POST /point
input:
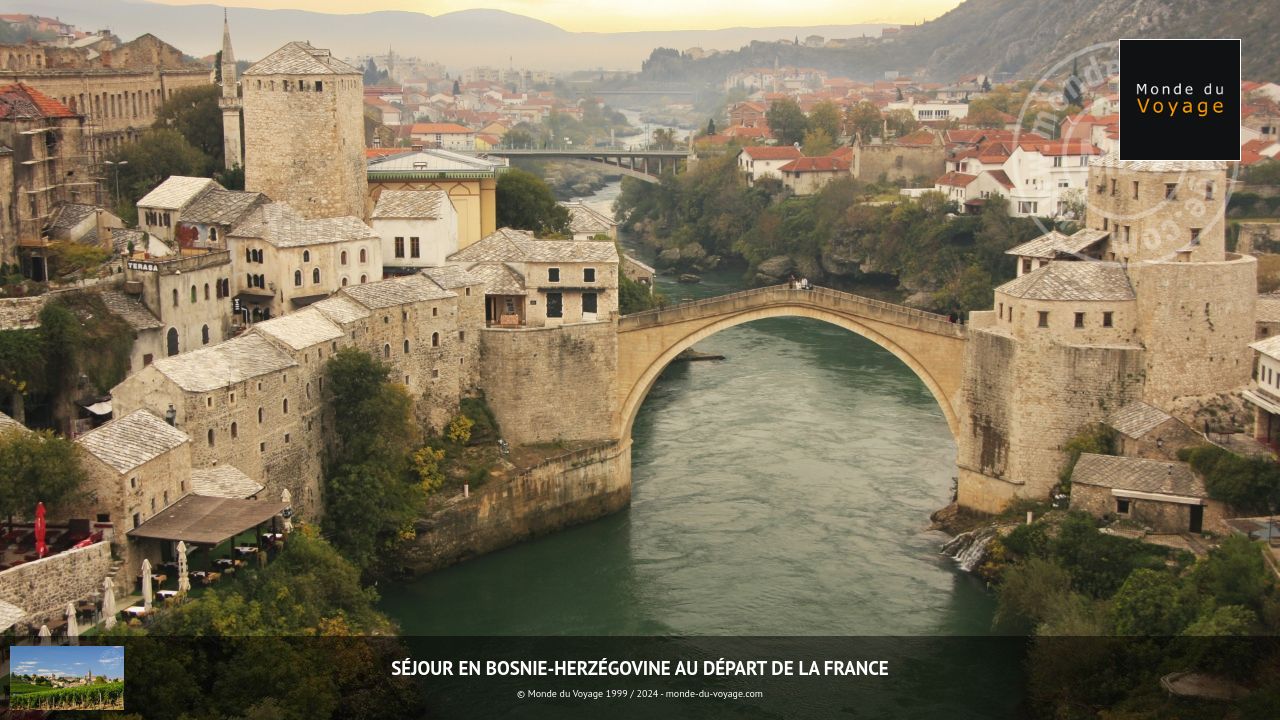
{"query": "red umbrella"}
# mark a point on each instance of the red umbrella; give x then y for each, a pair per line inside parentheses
(41, 548)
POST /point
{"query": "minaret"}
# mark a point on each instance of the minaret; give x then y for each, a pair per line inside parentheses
(232, 145)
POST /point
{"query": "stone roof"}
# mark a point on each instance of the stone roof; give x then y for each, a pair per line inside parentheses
(585, 219)
(222, 207)
(301, 329)
(499, 279)
(435, 161)
(1113, 161)
(69, 215)
(410, 204)
(121, 237)
(1137, 419)
(1054, 243)
(451, 277)
(223, 481)
(217, 366)
(631, 260)
(129, 309)
(1086, 280)
(127, 442)
(282, 226)
(300, 58)
(397, 291)
(175, 192)
(8, 423)
(772, 152)
(1267, 308)
(341, 309)
(1138, 475)
(507, 245)
(1269, 347)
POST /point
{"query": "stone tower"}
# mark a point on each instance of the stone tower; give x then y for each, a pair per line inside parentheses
(304, 132)
(232, 142)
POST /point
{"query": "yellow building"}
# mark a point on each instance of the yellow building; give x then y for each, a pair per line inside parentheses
(471, 183)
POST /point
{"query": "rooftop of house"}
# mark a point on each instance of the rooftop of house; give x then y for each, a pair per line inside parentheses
(224, 481)
(282, 226)
(300, 58)
(127, 442)
(585, 219)
(300, 330)
(8, 423)
(1267, 308)
(499, 278)
(341, 309)
(452, 277)
(1137, 419)
(1088, 280)
(1138, 475)
(21, 101)
(176, 192)
(955, 179)
(410, 204)
(397, 291)
(226, 363)
(772, 152)
(520, 246)
(69, 215)
(219, 206)
(129, 309)
(824, 163)
(1269, 347)
(433, 160)
(1053, 243)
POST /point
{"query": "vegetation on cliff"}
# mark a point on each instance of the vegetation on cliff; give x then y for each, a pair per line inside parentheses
(1248, 484)
(525, 202)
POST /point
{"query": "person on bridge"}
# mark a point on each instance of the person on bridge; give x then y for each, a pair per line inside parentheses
(804, 284)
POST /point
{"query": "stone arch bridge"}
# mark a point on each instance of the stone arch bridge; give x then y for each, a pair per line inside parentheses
(931, 345)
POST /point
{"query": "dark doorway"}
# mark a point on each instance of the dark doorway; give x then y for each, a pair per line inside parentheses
(588, 302)
(1197, 518)
(173, 341)
(555, 305)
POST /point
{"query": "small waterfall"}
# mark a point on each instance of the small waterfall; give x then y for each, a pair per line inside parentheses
(969, 548)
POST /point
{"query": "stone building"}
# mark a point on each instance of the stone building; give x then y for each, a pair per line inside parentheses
(285, 261)
(1165, 496)
(920, 154)
(470, 182)
(43, 163)
(1263, 392)
(536, 283)
(585, 222)
(194, 213)
(304, 132)
(808, 175)
(160, 210)
(1164, 317)
(419, 229)
(1146, 431)
(188, 295)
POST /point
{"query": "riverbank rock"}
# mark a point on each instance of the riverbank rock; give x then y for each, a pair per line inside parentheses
(669, 258)
(776, 268)
(692, 253)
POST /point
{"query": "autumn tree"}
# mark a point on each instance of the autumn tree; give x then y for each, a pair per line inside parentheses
(787, 122)
(863, 120)
(825, 116)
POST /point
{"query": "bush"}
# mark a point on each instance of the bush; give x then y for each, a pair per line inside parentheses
(484, 426)
(1248, 484)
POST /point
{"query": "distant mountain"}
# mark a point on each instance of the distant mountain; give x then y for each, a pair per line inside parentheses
(459, 40)
(1017, 37)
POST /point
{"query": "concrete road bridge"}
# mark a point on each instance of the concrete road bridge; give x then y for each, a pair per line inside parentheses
(646, 165)
(931, 345)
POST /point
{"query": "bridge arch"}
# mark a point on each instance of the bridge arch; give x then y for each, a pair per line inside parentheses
(930, 345)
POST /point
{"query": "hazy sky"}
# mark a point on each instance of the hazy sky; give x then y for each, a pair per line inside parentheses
(622, 15)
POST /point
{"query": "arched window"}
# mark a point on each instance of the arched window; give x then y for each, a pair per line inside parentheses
(175, 297)
(306, 256)
(206, 291)
(364, 279)
(386, 351)
(297, 277)
(193, 293)
(259, 416)
(204, 335)
(173, 340)
(344, 282)
(248, 255)
(342, 257)
(234, 431)
(213, 234)
(210, 437)
(315, 276)
(362, 257)
(406, 347)
(435, 339)
(285, 405)
(248, 279)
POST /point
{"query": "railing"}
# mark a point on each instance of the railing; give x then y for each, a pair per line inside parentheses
(648, 318)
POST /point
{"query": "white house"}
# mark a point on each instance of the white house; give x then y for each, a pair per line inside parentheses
(927, 111)
(761, 161)
(419, 229)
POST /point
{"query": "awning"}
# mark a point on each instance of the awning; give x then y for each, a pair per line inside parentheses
(1261, 401)
(99, 408)
(207, 520)
(255, 298)
(301, 302)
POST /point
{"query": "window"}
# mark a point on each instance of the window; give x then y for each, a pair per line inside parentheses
(1026, 265)
(1122, 506)
(462, 335)
(435, 339)
(306, 256)
(206, 291)
(342, 257)
(406, 347)
(1113, 188)
(319, 86)
(1001, 312)
(297, 278)
(234, 431)
(1107, 319)
(1027, 207)
(137, 519)
(399, 251)
(286, 438)
(386, 350)
(414, 248)
(204, 335)
(172, 341)
(1079, 319)
(315, 276)
(1170, 191)
(589, 275)
(364, 279)
(175, 297)
(1057, 161)
(555, 305)
(435, 373)
(193, 293)
(1044, 318)
(362, 257)
(285, 406)
(553, 274)
(210, 437)
(435, 312)
(1195, 236)
(589, 302)
(344, 281)
(262, 447)
(1208, 191)
(259, 416)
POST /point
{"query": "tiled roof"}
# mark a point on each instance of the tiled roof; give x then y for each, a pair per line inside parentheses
(1138, 475)
(222, 207)
(919, 138)
(1086, 280)
(280, 225)
(300, 58)
(397, 291)
(68, 215)
(1114, 161)
(341, 309)
(1053, 243)
(300, 330)
(499, 279)
(440, 129)
(585, 219)
(451, 277)
(175, 192)
(956, 179)
(129, 309)
(127, 442)
(1137, 419)
(507, 245)
(771, 152)
(825, 163)
(23, 101)
(1001, 177)
(1267, 308)
(632, 261)
(223, 481)
(424, 204)
(8, 423)
(226, 363)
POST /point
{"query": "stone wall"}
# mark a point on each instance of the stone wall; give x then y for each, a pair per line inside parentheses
(44, 587)
(568, 490)
(550, 384)
(1161, 517)
(898, 162)
(1258, 237)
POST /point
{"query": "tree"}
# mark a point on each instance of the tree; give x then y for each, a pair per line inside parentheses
(1027, 592)
(1073, 91)
(901, 122)
(787, 122)
(818, 142)
(37, 466)
(825, 116)
(863, 120)
(153, 158)
(984, 113)
(194, 112)
(1150, 602)
(526, 203)
(711, 126)
(664, 139)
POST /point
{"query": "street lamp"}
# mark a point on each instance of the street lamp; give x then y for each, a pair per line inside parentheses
(115, 167)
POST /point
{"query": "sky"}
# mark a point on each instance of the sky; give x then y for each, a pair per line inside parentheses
(67, 660)
(628, 15)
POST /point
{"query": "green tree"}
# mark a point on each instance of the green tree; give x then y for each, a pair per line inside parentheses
(194, 113)
(526, 203)
(901, 122)
(37, 466)
(711, 126)
(863, 120)
(1248, 484)
(664, 139)
(1027, 593)
(1234, 573)
(153, 158)
(787, 122)
(1150, 602)
(825, 116)
(818, 142)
